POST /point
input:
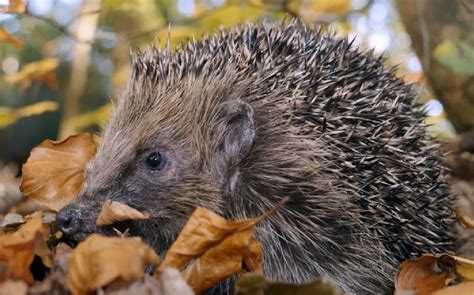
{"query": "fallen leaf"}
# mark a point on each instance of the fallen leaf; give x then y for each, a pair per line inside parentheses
(13, 287)
(257, 284)
(99, 261)
(14, 6)
(211, 248)
(14, 220)
(173, 283)
(42, 70)
(464, 268)
(113, 211)
(424, 275)
(9, 38)
(466, 288)
(170, 283)
(17, 250)
(53, 174)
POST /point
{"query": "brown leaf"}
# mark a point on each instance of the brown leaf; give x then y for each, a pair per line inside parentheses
(170, 283)
(257, 284)
(211, 248)
(17, 250)
(425, 275)
(115, 211)
(466, 288)
(9, 38)
(13, 287)
(99, 261)
(14, 6)
(42, 70)
(53, 174)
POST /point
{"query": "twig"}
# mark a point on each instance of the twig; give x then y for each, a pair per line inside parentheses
(63, 28)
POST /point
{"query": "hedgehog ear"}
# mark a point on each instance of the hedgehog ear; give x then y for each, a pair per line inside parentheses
(236, 140)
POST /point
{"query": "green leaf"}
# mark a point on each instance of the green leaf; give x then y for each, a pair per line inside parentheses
(457, 57)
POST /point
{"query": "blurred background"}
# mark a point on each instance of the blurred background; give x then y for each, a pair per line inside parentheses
(62, 60)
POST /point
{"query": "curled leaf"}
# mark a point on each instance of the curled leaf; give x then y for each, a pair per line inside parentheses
(211, 248)
(53, 174)
(115, 211)
(17, 250)
(425, 275)
(99, 261)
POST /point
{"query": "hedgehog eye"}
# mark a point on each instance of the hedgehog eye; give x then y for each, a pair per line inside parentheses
(155, 161)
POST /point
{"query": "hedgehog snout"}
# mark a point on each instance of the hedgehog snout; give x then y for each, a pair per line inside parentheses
(68, 220)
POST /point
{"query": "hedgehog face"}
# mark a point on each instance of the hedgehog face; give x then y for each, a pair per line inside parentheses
(166, 152)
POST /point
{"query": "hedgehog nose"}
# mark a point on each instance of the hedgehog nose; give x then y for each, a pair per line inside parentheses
(68, 220)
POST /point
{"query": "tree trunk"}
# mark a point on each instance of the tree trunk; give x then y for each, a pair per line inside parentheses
(442, 34)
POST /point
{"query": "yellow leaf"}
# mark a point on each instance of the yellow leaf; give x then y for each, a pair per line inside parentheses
(42, 70)
(14, 6)
(99, 261)
(37, 109)
(331, 6)
(53, 174)
(115, 211)
(465, 267)
(84, 120)
(10, 116)
(9, 38)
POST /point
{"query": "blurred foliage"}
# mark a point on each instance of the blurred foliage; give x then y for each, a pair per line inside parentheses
(458, 57)
(38, 42)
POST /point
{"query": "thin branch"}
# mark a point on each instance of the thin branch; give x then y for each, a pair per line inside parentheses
(64, 29)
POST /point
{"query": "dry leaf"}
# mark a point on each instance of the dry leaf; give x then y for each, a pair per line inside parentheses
(17, 250)
(461, 289)
(170, 283)
(257, 284)
(14, 6)
(464, 268)
(13, 287)
(53, 174)
(211, 248)
(424, 275)
(99, 261)
(115, 211)
(42, 70)
(9, 38)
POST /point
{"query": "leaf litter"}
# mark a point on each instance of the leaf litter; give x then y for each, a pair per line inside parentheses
(208, 250)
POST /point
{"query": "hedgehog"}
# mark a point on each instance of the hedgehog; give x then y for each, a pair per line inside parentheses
(240, 120)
